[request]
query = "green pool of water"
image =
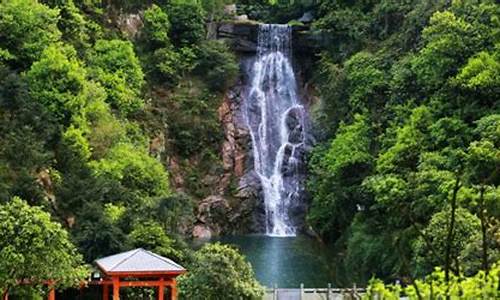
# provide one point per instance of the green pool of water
(286, 261)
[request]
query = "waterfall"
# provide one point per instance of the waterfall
(276, 122)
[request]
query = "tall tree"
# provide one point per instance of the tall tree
(36, 249)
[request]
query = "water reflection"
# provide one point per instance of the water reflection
(286, 261)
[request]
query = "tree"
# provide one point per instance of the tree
(151, 236)
(96, 235)
(58, 81)
(156, 27)
(483, 170)
(135, 169)
(217, 64)
(449, 40)
(432, 252)
(336, 177)
(410, 142)
(366, 81)
(65, 94)
(36, 249)
(188, 22)
(482, 71)
(26, 29)
(115, 66)
(219, 270)
(76, 27)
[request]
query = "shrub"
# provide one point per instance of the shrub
(219, 270)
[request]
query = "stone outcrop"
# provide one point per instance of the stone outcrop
(157, 145)
(236, 138)
(211, 217)
(242, 36)
(202, 232)
(130, 24)
(233, 208)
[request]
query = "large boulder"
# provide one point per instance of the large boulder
(249, 216)
(212, 216)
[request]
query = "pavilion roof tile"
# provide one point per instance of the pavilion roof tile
(138, 261)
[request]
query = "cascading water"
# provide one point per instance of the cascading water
(276, 122)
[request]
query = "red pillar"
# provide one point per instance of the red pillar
(5, 295)
(82, 290)
(116, 288)
(52, 294)
(161, 290)
(105, 292)
(173, 290)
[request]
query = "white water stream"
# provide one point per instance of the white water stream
(276, 120)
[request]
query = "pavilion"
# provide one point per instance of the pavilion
(137, 268)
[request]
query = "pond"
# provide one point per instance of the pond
(286, 261)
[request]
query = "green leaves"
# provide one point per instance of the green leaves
(156, 27)
(448, 41)
(114, 65)
(219, 270)
(336, 174)
(57, 81)
(26, 29)
(135, 169)
(34, 247)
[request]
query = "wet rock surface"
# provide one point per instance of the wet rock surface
(234, 208)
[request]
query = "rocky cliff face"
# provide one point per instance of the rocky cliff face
(233, 202)
(237, 206)
(233, 208)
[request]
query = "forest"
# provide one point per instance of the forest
(110, 137)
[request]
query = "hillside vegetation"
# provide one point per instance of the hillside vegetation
(108, 126)
(406, 174)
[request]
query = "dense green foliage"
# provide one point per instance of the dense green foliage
(99, 118)
(27, 28)
(36, 249)
(83, 104)
(219, 271)
(480, 286)
(405, 177)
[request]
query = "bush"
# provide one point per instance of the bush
(114, 64)
(219, 270)
(156, 27)
(33, 246)
(217, 64)
(188, 22)
(26, 29)
(135, 169)
(480, 286)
